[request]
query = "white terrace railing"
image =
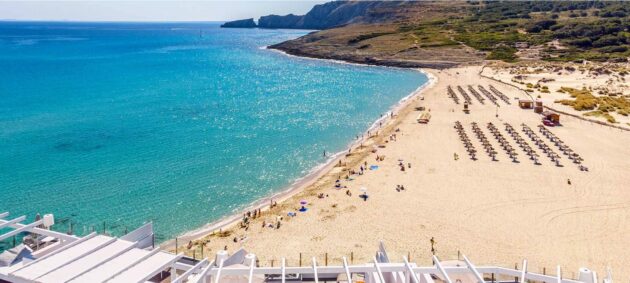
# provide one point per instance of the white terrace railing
(39, 226)
(241, 266)
(374, 272)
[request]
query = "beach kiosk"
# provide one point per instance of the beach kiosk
(538, 106)
(552, 117)
(525, 104)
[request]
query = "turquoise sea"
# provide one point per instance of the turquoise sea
(116, 124)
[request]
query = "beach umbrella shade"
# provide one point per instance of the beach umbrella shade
(303, 203)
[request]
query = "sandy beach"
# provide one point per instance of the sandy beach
(495, 212)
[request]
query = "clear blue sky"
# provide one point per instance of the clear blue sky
(148, 10)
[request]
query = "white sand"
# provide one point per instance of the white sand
(494, 212)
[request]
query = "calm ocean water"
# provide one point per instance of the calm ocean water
(180, 124)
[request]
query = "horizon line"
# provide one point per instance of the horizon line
(113, 21)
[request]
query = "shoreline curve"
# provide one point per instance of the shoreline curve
(300, 184)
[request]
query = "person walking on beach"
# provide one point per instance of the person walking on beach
(432, 245)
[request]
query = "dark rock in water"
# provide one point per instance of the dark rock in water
(247, 23)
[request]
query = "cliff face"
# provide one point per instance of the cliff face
(339, 13)
(247, 23)
(334, 14)
(275, 21)
(409, 34)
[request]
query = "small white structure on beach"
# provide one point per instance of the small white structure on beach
(132, 258)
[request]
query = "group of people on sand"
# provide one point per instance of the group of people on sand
(392, 137)
(266, 224)
(402, 165)
(338, 185)
(250, 215)
(256, 213)
(400, 188)
(362, 168)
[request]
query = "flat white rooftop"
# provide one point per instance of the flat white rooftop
(93, 258)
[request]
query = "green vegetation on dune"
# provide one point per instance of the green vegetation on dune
(600, 106)
(498, 30)
(586, 30)
(504, 53)
(605, 115)
(363, 37)
(592, 30)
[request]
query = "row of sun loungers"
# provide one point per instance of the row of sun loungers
(555, 158)
(484, 141)
(489, 95)
(522, 143)
(492, 96)
(503, 142)
(476, 94)
(470, 148)
(464, 95)
(500, 94)
(576, 158)
(452, 94)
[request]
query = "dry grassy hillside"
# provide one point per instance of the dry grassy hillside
(443, 34)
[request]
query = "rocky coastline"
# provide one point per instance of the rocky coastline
(297, 49)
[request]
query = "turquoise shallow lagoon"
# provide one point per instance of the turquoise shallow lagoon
(181, 124)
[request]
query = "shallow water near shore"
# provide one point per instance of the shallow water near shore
(116, 124)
